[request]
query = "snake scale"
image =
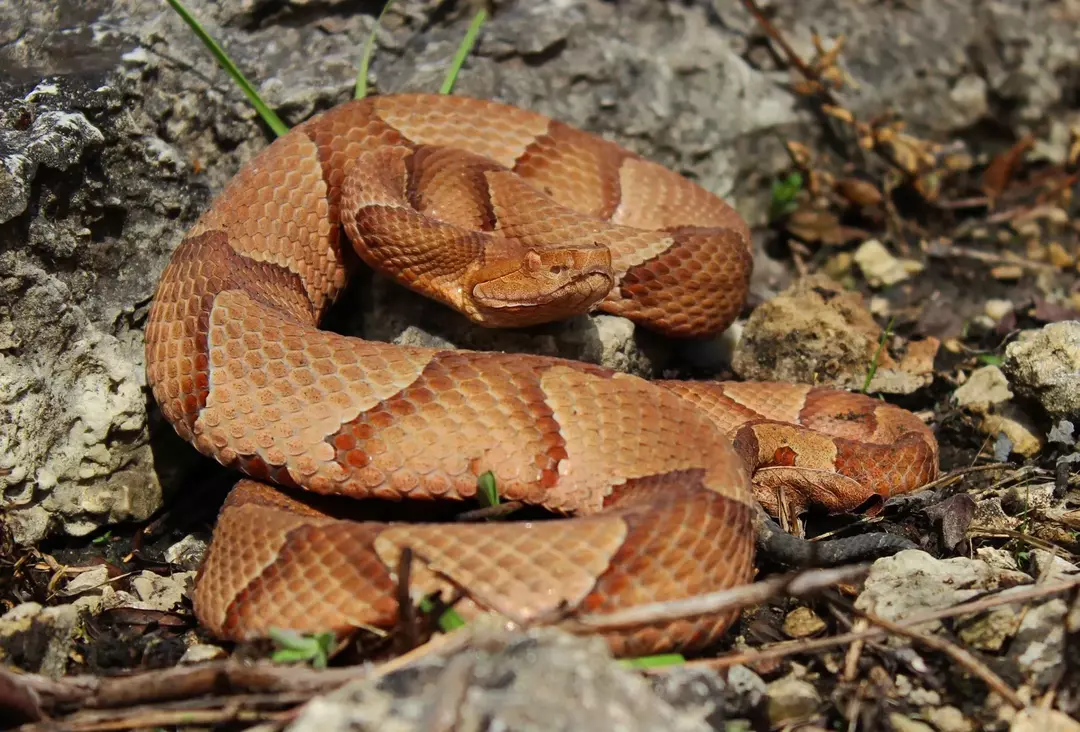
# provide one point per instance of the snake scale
(512, 219)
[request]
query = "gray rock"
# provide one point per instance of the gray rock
(1044, 365)
(1039, 646)
(985, 387)
(741, 695)
(40, 639)
(790, 700)
(912, 581)
(538, 680)
(55, 139)
(683, 83)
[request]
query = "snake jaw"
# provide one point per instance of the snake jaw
(540, 286)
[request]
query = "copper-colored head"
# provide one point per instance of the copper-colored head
(540, 286)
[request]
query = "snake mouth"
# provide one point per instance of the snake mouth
(588, 286)
(571, 297)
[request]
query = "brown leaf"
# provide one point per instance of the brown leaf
(1003, 167)
(1049, 312)
(140, 617)
(859, 191)
(953, 516)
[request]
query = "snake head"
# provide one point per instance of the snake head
(539, 286)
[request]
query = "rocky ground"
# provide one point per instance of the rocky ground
(912, 177)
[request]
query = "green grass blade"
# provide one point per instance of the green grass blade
(369, 49)
(486, 490)
(662, 659)
(449, 621)
(268, 115)
(872, 371)
(463, 51)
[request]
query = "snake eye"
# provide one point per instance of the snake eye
(532, 261)
(557, 269)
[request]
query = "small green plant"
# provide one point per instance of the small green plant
(662, 659)
(463, 51)
(268, 115)
(486, 490)
(365, 57)
(103, 538)
(874, 362)
(292, 647)
(449, 621)
(783, 195)
(990, 359)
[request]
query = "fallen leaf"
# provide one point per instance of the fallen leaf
(1003, 167)
(953, 517)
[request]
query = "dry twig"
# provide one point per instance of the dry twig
(791, 648)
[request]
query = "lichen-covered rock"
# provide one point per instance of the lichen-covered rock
(816, 332)
(1044, 365)
(542, 679)
(986, 395)
(688, 85)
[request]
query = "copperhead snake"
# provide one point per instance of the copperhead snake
(512, 219)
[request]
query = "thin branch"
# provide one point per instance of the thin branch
(782, 650)
(801, 583)
(953, 651)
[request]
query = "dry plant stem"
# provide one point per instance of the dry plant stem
(851, 662)
(810, 74)
(219, 678)
(151, 718)
(793, 58)
(491, 512)
(953, 651)
(407, 639)
(961, 472)
(798, 584)
(785, 649)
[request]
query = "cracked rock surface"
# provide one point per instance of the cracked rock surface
(117, 128)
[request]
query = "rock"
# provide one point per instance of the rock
(947, 719)
(1049, 567)
(542, 679)
(201, 653)
(1022, 499)
(991, 631)
(986, 395)
(156, 592)
(1039, 719)
(998, 558)
(55, 139)
(997, 309)
(791, 699)
(900, 723)
(1011, 423)
(91, 581)
(802, 622)
(719, 700)
(187, 553)
(817, 332)
(1044, 365)
(39, 639)
(1039, 646)
(986, 387)
(912, 581)
(880, 267)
